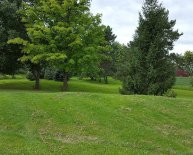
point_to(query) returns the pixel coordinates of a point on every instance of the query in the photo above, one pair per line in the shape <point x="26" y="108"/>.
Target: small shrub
<point x="49" y="74"/>
<point x="22" y="71"/>
<point x="59" y="76"/>
<point x="170" y="93"/>
<point x="124" y="92"/>
<point x="30" y="76"/>
<point x="3" y="76"/>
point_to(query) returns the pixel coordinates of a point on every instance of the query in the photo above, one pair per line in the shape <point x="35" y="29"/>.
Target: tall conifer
<point x="149" y="70"/>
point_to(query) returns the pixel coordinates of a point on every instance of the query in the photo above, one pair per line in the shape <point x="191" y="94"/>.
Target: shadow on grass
<point x="75" y="85"/>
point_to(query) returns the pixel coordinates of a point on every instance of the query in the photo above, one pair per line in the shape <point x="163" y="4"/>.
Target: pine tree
<point x="149" y="70"/>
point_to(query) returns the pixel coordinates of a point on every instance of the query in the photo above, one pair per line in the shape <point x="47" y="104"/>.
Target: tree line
<point x="63" y="35"/>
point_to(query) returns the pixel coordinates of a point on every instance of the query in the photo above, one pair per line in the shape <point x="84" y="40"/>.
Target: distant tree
<point x="107" y="60"/>
<point x="188" y="62"/>
<point x="177" y="60"/>
<point x="57" y="32"/>
<point x="120" y="56"/>
<point x="94" y="52"/>
<point x="149" y="68"/>
<point x="184" y="62"/>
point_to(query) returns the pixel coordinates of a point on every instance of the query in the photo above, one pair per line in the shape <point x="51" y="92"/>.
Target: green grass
<point x="90" y="123"/>
<point x="181" y="87"/>
<point x="183" y="81"/>
<point x="92" y="118"/>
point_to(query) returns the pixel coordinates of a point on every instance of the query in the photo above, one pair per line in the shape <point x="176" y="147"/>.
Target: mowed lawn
<point x="91" y="119"/>
<point x="182" y="87"/>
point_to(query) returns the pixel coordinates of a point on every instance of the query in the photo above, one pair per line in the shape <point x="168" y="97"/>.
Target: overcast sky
<point x="122" y="16"/>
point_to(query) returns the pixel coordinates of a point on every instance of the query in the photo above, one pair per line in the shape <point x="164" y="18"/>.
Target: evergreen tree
<point x="149" y="70"/>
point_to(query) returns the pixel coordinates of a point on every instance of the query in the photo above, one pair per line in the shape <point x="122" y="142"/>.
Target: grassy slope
<point x="91" y="123"/>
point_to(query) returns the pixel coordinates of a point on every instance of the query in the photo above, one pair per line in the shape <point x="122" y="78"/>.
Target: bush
<point x="170" y="93"/>
<point x="125" y="92"/>
<point x="3" y="76"/>
<point x="49" y="74"/>
<point x="30" y="76"/>
<point x="191" y="81"/>
<point x="59" y="76"/>
<point x="22" y="71"/>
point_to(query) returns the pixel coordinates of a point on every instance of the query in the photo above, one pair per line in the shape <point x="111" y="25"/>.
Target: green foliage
<point x="149" y="68"/>
<point x="184" y="62"/>
<point x="120" y="57"/>
<point x="10" y="27"/>
<point x="49" y="73"/>
<point x="107" y="60"/>
<point x="188" y="62"/>
<point x="30" y="76"/>
<point x="177" y="60"/>
<point x="60" y="32"/>
<point x="58" y="76"/>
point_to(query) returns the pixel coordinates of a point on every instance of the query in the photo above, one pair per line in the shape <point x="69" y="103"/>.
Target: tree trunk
<point x="106" y="79"/>
<point x="65" y="81"/>
<point x="36" y="72"/>
<point x="37" y="83"/>
<point x="13" y="76"/>
<point x="91" y="78"/>
<point x="100" y="79"/>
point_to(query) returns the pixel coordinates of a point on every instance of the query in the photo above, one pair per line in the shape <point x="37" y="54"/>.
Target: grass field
<point x="183" y="88"/>
<point x="91" y="119"/>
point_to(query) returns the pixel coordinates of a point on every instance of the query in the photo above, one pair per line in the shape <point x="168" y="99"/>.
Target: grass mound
<point x="90" y="123"/>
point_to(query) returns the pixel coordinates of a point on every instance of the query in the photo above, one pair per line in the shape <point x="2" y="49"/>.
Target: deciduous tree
<point x="58" y="31"/>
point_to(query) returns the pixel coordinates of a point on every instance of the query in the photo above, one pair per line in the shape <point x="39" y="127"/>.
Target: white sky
<point x="122" y="16"/>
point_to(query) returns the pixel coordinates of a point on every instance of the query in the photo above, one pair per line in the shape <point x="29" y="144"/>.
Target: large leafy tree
<point x="149" y="70"/>
<point x="99" y="64"/>
<point x="58" y="31"/>
<point x="10" y="27"/>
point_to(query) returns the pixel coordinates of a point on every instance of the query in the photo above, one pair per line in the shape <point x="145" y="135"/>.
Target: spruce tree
<point x="149" y="69"/>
